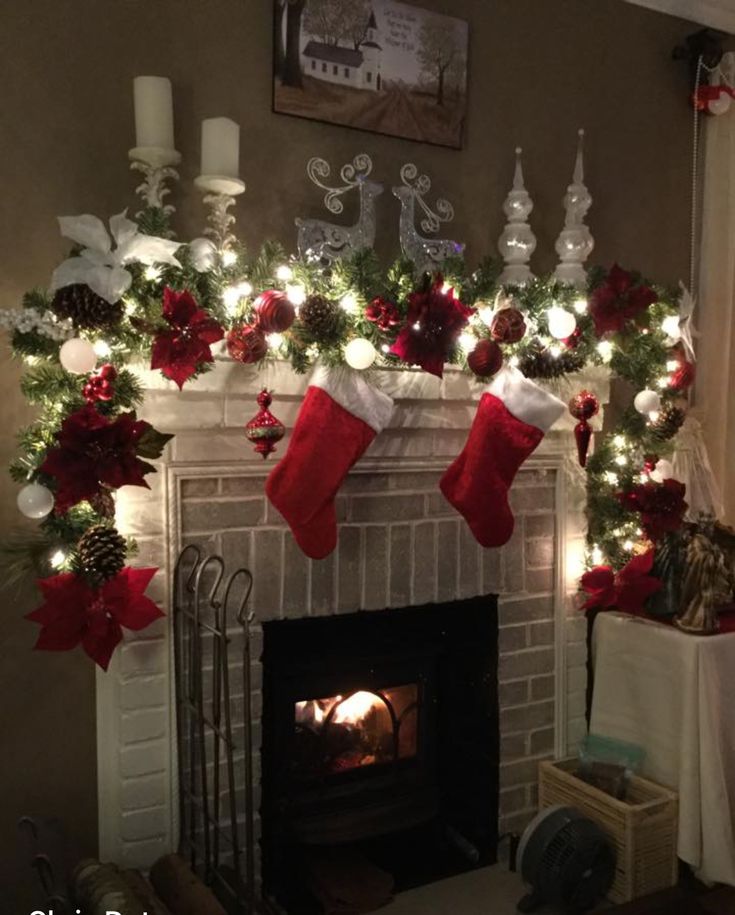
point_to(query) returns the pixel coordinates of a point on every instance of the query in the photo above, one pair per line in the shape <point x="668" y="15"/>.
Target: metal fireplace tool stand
<point x="216" y="838"/>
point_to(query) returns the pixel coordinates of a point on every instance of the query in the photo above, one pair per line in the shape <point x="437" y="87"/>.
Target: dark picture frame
<point x="381" y="66"/>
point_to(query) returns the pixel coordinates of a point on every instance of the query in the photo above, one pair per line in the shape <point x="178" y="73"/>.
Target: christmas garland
<point x="135" y="295"/>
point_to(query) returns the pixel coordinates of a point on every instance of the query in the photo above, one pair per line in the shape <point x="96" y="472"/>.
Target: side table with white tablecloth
<point x="674" y="695"/>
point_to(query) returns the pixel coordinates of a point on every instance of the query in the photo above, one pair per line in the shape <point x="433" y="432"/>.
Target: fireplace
<point x="380" y="734"/>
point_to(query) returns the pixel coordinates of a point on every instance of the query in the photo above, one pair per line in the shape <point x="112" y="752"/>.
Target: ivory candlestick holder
<point x="156" y="165"/>
<point x="220" y="192"/>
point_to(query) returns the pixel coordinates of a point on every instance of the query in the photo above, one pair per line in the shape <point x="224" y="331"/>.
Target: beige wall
<point x="539" y="70"/>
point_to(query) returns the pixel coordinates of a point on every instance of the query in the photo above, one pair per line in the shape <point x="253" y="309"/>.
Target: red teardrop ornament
<point x="583" y="435"/>
<point x="264" y="430"/>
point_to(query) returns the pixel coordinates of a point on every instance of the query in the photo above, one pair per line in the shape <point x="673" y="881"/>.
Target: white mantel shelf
<point x="717" y="14"/>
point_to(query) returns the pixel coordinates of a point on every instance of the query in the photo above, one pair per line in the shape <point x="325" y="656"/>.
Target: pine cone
<point x="539" y="363"/>
<point x="101" y="554"/>
<point x="670" y="420"/>
<point x="322" y="318"/>
<point x="85" y="308"/>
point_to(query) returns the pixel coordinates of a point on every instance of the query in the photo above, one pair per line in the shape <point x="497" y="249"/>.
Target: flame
<point x="357" y="707"/>
<point x="348" y="711"/>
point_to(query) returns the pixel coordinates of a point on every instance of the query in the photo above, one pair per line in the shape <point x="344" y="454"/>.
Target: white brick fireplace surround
<point x="400" y="543"/>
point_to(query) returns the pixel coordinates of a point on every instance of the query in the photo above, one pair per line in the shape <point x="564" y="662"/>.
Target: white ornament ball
<point x="78" y="356"/>
<point x="562" y="323"/>
<point x="647" y="401"/>
<point x="719" y="105"/>
<point x="360" y="353"/>
<point x="670" y="326"/>
<point x="35" y="501"/>
<point x="663" y="470"/>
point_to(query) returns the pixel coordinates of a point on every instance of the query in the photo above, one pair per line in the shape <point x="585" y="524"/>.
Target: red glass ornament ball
<point x="274" y="311"/>
<point x="584" y="405"/>
<point x="508" y="326"/>
<point x="108" y="372"/>
<point x="683" y="377"/>
<point x="485" y="359"/>
<point x="246" y="343"/>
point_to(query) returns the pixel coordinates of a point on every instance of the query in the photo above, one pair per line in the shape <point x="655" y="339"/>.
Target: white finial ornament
<point x="575" y="243"/>
<point x="517" y="243"/>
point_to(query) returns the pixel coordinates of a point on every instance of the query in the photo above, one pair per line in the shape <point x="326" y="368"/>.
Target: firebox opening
<point x="380" y="744"/>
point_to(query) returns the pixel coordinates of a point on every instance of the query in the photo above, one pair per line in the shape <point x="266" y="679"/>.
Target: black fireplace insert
<point x="380" y="734"/>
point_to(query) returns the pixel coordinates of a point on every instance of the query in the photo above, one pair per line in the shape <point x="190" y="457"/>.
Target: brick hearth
<point x="400" y="543"/>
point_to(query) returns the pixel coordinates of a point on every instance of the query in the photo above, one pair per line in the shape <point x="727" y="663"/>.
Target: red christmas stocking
<point x="340" y="416"/>
<point x="513" y="416"/>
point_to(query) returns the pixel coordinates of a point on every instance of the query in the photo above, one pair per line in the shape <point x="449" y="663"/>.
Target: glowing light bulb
<point x="486" y="315"/>
<point x="245" y="289"/>
<point x="597" y="556"/>
<point x="274" y="340"/>
<point x="555" y="351"/>
<point x="515" y="361"/>
<point x="231" y="297"/>
<point x="628" y="546"/>
<point x="467" y="342"/>
<point x="580" y="306"/>
<point x="619" y="441"/>
<point x="653" y="416"/>
<point x="664" y="381"/>
<point x="152" y="274"/>
<point x="621" y="460"/>
<point x="296" y="294"/>
<point x="672" y="365"/>
<point x="102" y="348"/>
<point x="605" y="349"/>
<point x="670" y="326"/>
<point x="57" y="560"/>
<point x="228" y="258"/>
<point x="284" y="273"/>
<point x="611" y="478"/>
<point x="417" y="326"/>
<point x="384" y="348"/>
<point x="446" y="288"/>
<point x="349" y="303"/>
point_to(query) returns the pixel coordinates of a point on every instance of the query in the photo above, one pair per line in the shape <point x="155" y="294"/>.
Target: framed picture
<point x="376" y="65"/>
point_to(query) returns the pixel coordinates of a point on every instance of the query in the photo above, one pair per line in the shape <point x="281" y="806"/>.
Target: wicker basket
<point x="643" y="827"/>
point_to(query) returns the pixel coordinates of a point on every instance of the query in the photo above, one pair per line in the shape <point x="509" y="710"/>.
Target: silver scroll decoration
<point x="328" y="241"/>
<point x="428" y="254"/>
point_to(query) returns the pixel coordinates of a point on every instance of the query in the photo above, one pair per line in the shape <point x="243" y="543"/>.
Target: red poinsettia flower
<point x="383" y="313"/>
<point x="661" y="506"/>
<point x="94" y="452"/>
<point x="617" y="301"/>
<point x="180" y="351"/>
<point x="434" y="321"/>
<point x="74" y="614"/>
<point x="628" y="590"/>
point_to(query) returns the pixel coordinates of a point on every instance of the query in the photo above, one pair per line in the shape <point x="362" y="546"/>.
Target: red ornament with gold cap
<point x="264" y="430"/>
<point x="583" y="406"/>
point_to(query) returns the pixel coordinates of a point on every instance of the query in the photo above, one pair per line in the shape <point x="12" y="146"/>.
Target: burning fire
<point x="348" y="711"/>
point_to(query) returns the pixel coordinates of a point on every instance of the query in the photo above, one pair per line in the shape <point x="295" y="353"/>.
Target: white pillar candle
<point x="220" y="147"/>
<point x="154" y="112"/>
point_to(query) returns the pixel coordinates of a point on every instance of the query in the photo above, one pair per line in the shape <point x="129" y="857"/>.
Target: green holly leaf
<point x="151" y="443"/>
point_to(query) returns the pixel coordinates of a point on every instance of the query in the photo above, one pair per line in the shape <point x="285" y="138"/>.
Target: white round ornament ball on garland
<point x="78" y="356"/>
<point x="35" y="501"/>
<point x="360" y="354"/>
<point x="647" y="401"/>
<point x="562" y="323"/>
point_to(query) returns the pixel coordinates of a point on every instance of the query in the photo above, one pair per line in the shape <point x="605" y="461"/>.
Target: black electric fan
<point x="566" y="860"/>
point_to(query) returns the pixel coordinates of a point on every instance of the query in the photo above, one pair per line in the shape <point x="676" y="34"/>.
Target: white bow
<point x="98" y="265"/>
<point x="687" y="330"/>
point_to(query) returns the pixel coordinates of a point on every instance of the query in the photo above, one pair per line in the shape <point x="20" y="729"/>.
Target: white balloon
<point x="647" y="401"/>
<point x="78" y="356"/>
<point x="35" y="501"/>
<point x="360" y="353"/>
<point x="562" y="323"/>
<point x="663" y="470"/>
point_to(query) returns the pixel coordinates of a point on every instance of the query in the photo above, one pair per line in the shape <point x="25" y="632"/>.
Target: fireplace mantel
<point x="209" y="488"/>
